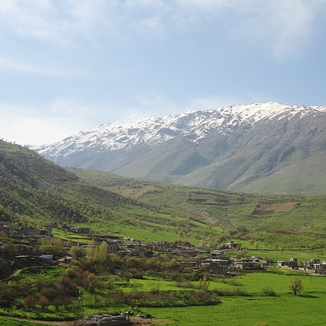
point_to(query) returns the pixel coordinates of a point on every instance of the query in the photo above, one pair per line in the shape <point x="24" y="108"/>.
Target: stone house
<point x="80" y="229"/>
<point x="217" y="266"/>
<point x="248" y="264"/>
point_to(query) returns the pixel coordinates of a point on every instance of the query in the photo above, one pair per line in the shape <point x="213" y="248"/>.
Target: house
<point x="217" y="266"/>
<point x="8" y="231"/>
<point x="292" y="263"/>
<point x="24" y="249"/>
<point x="141" y="252"/>
<point x="114" y="245"/>
<point x="79" y="229"/>
<point x="320" y="268"/>
<point x="248" y="264"/>
<point x="25" y="232"/>
<point x="48" y="259"/>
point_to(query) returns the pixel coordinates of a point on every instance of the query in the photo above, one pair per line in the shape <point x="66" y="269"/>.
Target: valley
<point x="177" y="253"/>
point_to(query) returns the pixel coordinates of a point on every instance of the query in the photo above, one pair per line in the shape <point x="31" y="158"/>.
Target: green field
<point x="18" y="322"/>
<point x="243" y="299"/>
<point x="282" y="309"/>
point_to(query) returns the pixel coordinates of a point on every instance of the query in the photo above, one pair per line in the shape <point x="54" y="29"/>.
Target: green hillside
<point x="38" y="191"/>
<point x="37" y="188"/>
<point x="233" y="212"/>
<point x="34" y="190"/>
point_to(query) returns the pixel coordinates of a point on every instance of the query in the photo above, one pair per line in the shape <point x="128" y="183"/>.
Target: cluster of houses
<point x="213" y="262"/>
<point x="189" y="256"/>
<point x="315" y="265"/>
<point x="21" y="232"/>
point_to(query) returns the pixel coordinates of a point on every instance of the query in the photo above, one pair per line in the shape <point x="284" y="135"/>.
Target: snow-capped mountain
<point x="194" y="147"/>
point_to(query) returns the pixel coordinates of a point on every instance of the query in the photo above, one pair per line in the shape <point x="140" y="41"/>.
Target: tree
<point x="93" y="283"/>
<point x="295" y="285"/>
<point x="103" y="252"/>
<point x="204" y="282"/>
<point x="313" y="245"/>
<point x="3" y="235"/>
<point x="49" y="292"/>
<point x="30" y="301"/>
<point x="44" y="302"/>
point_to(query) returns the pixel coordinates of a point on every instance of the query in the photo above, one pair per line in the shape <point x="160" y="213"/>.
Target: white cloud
<point x="283" y="26"/>
<point x="59" y="22"/>
<point x="22" y="67"/>
<point x="46" y="124"/>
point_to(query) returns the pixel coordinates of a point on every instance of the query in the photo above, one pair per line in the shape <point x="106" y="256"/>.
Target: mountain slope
<point x="35" y="191"/>
<point x="35" y="187"/>
<point x="282" y="156"/>
<point x="238" y="148"/>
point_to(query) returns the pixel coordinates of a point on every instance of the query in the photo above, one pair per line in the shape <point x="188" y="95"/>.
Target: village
<point x="214" y="261"/>
<point x="29" y="248"/>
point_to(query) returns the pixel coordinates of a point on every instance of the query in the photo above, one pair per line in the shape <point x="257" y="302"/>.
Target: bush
<point x="269" y="292"/>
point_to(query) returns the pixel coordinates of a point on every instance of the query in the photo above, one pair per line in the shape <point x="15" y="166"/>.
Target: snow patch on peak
<point x="194" y="125"/>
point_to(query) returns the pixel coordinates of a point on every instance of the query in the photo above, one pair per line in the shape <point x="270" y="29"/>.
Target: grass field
<point x="16" y="322"/>
<point x="242" y="311"/>
<point x="283" y="309"/>
<point x="243" y="299"/>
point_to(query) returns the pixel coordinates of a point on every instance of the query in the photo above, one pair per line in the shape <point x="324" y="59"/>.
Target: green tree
<point x="103" y="252"/>
<point x="295" y="285"/>
<point x="204" y="282"/>
<point x="92" y="283"/>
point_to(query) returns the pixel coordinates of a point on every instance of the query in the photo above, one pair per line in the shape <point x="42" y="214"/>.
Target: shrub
<point x="269" y="292"/>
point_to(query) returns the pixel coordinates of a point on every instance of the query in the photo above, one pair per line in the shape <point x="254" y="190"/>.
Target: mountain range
<point x="257" y="148"/>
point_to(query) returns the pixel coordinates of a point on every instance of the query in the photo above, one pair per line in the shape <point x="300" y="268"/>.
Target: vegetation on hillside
<point x="248" y="216"/>
<point x="86" y="279"/>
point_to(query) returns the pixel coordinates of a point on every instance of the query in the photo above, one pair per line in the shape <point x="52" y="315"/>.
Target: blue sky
<point x="70" y="65"/>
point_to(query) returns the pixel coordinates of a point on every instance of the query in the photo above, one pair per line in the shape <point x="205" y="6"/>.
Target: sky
<point x="71" y="65"/>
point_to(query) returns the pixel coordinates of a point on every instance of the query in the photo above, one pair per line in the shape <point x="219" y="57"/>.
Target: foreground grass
<point x="282" y="309"/>
<point x="235" y="311"/>
<point x="243" y="300"/>
<point x="16" y="322"/>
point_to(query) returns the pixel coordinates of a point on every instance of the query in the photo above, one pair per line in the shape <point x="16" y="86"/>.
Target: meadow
<point x="251" y="298"/>
<point x="18" y="322"/>
<point x="256" y="308"/>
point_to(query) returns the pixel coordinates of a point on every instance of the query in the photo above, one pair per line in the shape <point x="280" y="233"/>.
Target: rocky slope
<point x="268" y="147"/>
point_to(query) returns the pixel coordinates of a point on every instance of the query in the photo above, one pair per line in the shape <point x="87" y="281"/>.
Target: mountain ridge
<point x="193" y="148"/>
